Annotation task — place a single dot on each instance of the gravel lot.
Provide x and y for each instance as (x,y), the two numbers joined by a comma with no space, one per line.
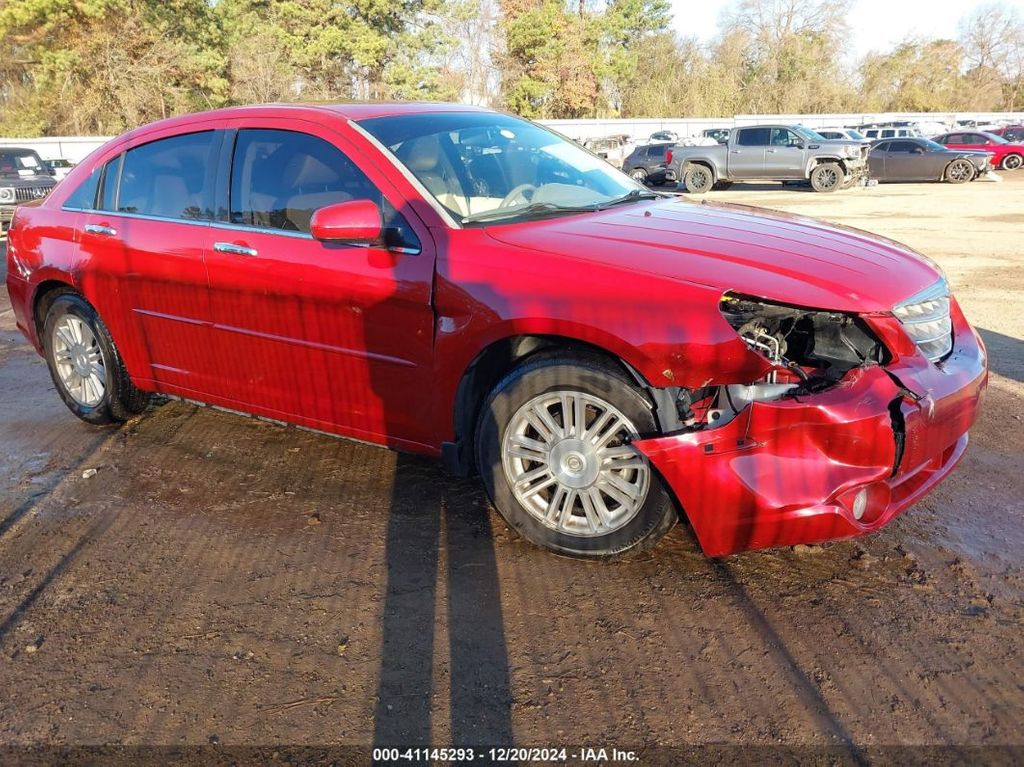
(223,580)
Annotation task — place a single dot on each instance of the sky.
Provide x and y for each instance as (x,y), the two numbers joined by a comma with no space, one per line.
(903,19)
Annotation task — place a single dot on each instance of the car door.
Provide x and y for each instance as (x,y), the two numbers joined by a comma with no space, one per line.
(337,337)
(903,162)
(784,157)
(746,153)
(145,236)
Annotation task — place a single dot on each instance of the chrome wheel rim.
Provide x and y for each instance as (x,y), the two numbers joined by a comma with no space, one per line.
(960,171)
(638,175)
(699,178)
(828,178)
(78,360)
(1012,162)
(568,461)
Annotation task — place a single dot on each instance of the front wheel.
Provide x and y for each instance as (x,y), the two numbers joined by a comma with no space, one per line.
(1013,161)
(554,450)
(698,179)
(85,365)
(960,172)
(639,175)
(827,177)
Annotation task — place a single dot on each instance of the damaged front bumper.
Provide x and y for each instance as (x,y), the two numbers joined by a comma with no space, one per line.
(829,465)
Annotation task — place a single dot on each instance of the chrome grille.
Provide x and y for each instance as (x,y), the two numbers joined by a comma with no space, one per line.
(26,193)
(925,317)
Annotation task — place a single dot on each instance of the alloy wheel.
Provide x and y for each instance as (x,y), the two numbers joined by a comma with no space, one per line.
(78,360)
(568,461)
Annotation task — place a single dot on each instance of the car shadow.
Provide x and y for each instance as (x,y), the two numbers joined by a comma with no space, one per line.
(1005,354)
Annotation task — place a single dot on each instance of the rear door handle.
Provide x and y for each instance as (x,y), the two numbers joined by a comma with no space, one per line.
(107,231)
(237,250)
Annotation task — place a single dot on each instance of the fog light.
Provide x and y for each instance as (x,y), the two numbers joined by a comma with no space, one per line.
(860,503)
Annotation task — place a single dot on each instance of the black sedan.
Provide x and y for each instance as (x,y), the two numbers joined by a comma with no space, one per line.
(648,164)
(921,159)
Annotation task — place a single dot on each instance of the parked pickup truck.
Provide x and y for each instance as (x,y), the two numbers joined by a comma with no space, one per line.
(772,153)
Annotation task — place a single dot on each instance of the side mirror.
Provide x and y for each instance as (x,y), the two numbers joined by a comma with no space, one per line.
(355,221)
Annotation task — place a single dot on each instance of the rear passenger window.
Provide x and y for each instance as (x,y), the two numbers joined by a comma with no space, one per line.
(280,178)
(169,178)
(753,137)
(84,197)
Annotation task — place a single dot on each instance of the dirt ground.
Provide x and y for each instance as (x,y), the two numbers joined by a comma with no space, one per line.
(222,580)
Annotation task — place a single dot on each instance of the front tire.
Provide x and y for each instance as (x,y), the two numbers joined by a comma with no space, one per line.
(960,172)
(553,449)
(639,175)
(85,365)
(698,179)
(1013,161)
(827,177)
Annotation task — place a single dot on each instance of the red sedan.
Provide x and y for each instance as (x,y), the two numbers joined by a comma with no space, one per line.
(1008,155)
(466,284)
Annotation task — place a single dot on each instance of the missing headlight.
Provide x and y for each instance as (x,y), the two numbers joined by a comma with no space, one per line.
(817,346)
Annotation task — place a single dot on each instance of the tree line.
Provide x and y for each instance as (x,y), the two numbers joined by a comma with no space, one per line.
(80,67)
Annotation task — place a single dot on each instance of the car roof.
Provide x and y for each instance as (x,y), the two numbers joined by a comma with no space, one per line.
(363,110)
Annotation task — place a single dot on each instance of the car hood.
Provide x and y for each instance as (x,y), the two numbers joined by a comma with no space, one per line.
(20,182)
(763,253)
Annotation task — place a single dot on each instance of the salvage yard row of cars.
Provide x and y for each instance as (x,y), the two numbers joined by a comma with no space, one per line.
(457,282)
(828,159)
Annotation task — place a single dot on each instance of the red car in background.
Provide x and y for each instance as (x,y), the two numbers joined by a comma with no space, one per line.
(1013,133)
(1008,155)
(469,285)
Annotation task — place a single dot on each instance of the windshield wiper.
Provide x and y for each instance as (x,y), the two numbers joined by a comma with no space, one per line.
(543,208)
(533,209)
(636,194)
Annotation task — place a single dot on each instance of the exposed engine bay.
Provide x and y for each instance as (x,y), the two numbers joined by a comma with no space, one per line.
(809,350)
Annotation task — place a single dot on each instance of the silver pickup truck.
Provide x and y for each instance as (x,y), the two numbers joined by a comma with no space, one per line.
(772,153)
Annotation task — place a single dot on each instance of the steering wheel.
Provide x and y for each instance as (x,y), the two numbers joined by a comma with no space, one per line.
(517,194)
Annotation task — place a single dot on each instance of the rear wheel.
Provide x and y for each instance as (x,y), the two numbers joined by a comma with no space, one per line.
(827,177)
(960,171)
(553,448)
(1012,161)
(698,179)
(85,365)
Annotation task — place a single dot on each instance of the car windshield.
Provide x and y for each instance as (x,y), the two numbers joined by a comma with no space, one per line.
(856,135)
(482,166)
(994,138)
(807,133)
(19,162)
(932,146)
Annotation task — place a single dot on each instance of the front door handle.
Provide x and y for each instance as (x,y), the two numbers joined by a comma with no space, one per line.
(106,231)
(770,151)
(237,250)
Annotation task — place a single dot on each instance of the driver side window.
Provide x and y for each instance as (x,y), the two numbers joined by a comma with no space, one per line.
(280,178)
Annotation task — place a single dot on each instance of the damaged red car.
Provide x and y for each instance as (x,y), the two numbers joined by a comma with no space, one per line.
(466,284)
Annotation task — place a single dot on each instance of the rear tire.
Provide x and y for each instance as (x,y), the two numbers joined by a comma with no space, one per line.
(572,486)
(960,172)
(698,179)
(85,365)
(827,177)
(1013,161)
